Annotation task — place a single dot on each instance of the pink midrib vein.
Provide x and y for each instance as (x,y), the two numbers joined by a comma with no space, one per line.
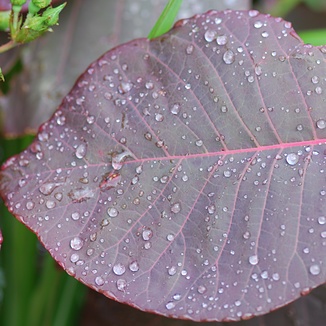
(232,152)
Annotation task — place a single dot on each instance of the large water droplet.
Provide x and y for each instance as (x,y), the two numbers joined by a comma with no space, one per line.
(134,266)
(253,260)
(47,188)
(124,87)
(81,151)
(321,124)
(121,284)
(221,39)
(210,35)
(176,208)
(228,57)
(314,269)
(112,212)
(119,269)
(30,205)
(81,194)
(189,49)
(170,305)
(99,281)
(172,270)
(175,108)
(321,220)
(76,243)
(258,24)
(292,159)
(119,158)
(147,234)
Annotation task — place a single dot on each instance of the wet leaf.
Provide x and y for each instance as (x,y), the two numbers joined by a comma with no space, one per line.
(188,178)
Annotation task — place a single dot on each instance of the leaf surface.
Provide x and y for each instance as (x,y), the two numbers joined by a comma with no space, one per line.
(186,175)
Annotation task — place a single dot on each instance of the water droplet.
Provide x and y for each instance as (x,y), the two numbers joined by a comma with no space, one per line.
(321,220)
(81,194)
(175,109)
(81,151)
(159,117)
(61,120)
(121,284)
(258,24)
(314,269)
(228,57)
(190,49)
(76,243)
(90,119)
(315,79)
(258,70)
(201,289)
(299,127)
(246,235)
(211,209)
(99,281)
(224,109)
(227,173)
(264,34)
(47,188)
(112,212)
(147,234)
(221,39)
(276,276)
(50,204)
(176,208)
(74,258)
(253,260)
(134,266)
(170,305)
(119,269)
(292,159)
(172,270)
(30,205)
(124,87)
(210,35)
(170,237)
(321,124)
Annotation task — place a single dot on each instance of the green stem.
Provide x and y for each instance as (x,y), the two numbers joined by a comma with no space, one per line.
(8,46)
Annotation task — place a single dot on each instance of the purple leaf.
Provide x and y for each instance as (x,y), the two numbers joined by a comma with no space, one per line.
(186,175)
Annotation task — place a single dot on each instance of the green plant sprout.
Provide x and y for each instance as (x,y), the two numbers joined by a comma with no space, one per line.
(35,25)
(166,19)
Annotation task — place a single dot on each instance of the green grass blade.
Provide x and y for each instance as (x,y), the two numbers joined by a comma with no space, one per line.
(166,20)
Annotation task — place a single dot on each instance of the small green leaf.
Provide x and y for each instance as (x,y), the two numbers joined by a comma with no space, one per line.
(41,3)
(166,20)
(52,14)
(17,2)
(2,77)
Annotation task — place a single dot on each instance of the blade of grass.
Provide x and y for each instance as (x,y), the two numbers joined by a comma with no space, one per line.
(166,20)
(70,302)
(18,256)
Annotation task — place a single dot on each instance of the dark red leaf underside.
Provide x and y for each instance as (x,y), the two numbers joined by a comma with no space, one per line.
(186,175)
